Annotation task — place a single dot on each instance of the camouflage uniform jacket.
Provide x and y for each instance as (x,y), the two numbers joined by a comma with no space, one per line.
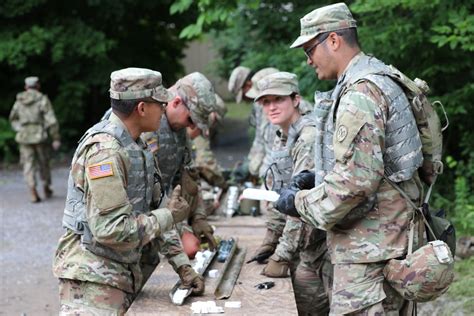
(262,144)
(296,235)
(32,118)
(173,154)
(111,217)
(365,217)
(206,162)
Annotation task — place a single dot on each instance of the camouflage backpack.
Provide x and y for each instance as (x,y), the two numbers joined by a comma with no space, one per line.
(430,130)
(428,124)
(427,272)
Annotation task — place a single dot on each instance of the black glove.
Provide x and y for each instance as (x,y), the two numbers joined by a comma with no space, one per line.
(286,202)
(303,180)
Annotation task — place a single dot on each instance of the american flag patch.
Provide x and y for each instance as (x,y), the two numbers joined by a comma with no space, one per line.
(153,146)
(100,170)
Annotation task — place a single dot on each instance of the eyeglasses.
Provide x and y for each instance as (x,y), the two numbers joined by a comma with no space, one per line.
(162,105)
(309,51)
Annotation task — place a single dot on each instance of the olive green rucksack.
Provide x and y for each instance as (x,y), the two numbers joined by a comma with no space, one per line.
(429,127)
(428,124)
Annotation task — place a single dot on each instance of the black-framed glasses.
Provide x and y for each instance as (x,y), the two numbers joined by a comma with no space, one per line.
(309,51)
(162,104)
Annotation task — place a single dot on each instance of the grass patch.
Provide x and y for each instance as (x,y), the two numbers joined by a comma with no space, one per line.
(463,285)
(238,111)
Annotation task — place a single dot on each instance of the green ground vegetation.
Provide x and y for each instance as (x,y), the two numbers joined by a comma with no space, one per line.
(463,285)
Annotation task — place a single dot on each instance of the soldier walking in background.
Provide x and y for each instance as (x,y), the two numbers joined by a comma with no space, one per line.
(32,118)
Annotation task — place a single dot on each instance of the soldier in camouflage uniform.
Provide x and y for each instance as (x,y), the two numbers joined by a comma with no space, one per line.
(292,153)
(210,171)
(370,135)
(112,220)
(260,160)
(203,157)
(194,101)
(32,118)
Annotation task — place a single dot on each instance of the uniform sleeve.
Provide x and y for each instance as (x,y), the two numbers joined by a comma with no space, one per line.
(14,118)
(302,153)
(290,240)
(109,211)
(257,151)
(358,146)
(172,248)
(50,121)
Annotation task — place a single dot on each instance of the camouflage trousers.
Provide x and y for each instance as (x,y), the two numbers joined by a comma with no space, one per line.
(35,157)
(312,284)
(360,289)
(91,299)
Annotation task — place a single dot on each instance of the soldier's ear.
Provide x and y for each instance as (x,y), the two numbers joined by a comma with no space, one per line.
(141,108)
(176,101)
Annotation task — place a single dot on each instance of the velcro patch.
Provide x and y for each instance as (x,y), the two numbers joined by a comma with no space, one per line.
(152,146)
(100,170)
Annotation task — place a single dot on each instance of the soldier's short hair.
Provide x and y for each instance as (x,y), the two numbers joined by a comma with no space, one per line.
(350,36)
(126,107)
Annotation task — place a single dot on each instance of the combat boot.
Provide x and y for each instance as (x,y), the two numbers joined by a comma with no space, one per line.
(34,196)
(47,192)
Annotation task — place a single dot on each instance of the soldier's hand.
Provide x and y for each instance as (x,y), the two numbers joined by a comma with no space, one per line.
(286,202)
(190,279)
(178,206)
(56,144)
(202,228)
(262,253)
(303,180)
(276,268)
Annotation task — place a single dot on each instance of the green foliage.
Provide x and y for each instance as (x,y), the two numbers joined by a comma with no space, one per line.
(463,285)
(458,199)
(74,46)
(7,141)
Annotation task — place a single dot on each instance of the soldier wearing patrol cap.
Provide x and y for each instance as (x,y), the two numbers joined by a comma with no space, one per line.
(369,138)
(111,216)
(299,245)
(240,82)
(32,118)
(191,106)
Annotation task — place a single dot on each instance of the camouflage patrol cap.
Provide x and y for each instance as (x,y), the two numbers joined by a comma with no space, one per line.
(138,83)
(253,92)
(236,81)
(330,18)
(201,99)
(31,81)
(279,83)
(424,275)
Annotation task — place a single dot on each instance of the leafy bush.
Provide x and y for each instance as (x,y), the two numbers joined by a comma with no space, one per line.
(7,141)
